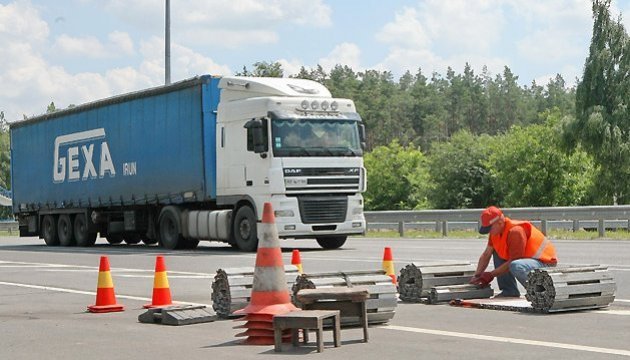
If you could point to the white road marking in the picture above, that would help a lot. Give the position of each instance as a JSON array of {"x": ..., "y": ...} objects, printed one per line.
[
  {"x": 613, "y": 312},
  {"x": 91, "y": 293},
  {"x": 510, "y": 340},
  {"x": 4, "y": 263},
  {"x": 169, "y": 276}
]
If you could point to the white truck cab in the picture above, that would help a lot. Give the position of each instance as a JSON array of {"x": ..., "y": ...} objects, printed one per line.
[{"x": 289, "y": 142}]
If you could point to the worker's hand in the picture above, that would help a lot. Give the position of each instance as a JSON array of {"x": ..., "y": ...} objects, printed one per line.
[{"x": 483, "y": 279}]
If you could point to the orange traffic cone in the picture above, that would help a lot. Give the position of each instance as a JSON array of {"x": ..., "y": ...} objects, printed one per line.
[
  {"x": 296, "y": 260},
  {"x": 388, "y": 264},
  {"x": 270, "y": 294},
  {"x": 161, "y": 291},
  {"x": 105, "y": 296}
]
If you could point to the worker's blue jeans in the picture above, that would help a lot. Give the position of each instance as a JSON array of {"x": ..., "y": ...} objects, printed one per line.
[{"x": 518, "y": 271}]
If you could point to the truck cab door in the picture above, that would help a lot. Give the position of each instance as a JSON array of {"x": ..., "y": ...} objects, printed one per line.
[{"x": 257, "y": 158}]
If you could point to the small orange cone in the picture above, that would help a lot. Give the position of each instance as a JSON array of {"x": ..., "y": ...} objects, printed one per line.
[
  {"x": 296, "y": 260},
  {"x": 388, "y": 264},
  {"x": 161, "y": 291},
  {"x": 105, "y": 296}
]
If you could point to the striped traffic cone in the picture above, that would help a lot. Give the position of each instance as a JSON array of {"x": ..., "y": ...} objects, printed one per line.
[
  {"x": 388, "y": 264},
  {"x": 270, "y": 294},
  {"x": 296, "y": 260},
  {"x": 105, "y": 296},
  {"x": 161, "y": 291}
]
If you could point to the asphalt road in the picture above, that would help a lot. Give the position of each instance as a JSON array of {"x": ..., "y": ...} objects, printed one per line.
[{"x": 44, "y": 293}]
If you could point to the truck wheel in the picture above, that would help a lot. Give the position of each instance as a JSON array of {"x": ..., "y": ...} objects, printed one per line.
[
  {"x": 132, "y": 239},
  {"x": 64, "y": 229},
  {"x": 170, "y": 236},
  {"x": 114, "y": 239},
  {"x": 331, "y": 242},
  {"x": 49, "y": 230},
  {"x": 148, "y": 241},
  {"x": 244, "y": 229},
  {"x": 190, "y": 244},
  {"x": 81, "y": 233}
]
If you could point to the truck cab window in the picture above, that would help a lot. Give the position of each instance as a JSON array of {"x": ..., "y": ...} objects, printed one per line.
[
  {"x": 315, "y": 137},
  {"x": 257, "y": 138}
]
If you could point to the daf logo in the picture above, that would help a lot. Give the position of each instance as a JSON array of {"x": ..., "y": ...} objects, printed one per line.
[
  {"x": 293, "y": 171},
  {"x": 353, "y": 170}
]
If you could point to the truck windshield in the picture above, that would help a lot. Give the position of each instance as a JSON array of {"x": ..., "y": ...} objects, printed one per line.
[{"x": 315, "y": 137}]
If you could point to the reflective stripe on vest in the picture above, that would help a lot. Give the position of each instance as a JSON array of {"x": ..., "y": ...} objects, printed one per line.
[{"x": 541, "y": 248}]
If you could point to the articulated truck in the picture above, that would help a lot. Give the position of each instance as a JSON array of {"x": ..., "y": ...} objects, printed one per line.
[{"x": 191, "y": 161}]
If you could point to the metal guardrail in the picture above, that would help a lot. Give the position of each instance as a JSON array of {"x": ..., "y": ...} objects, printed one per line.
[
  {"x": 9, "y": 226},
  {"x": 6, "y": 193},
  {"x": 5, "y": 197},
  {"x": 580, "y": 216}
]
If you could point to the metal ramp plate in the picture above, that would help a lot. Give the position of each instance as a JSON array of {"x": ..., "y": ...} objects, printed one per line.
[
  {"x": 510, "y": 304},
  {"x": 178, "y": 315}
]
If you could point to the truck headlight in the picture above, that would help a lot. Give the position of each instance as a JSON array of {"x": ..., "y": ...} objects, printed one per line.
[{"x": 284, "y": 213}]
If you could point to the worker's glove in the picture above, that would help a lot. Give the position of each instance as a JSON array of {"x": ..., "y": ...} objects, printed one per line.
[{"x": 483, "y": 279}]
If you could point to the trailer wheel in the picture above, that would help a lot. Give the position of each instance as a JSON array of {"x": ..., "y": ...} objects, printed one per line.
[
  {"x": 49, "y": 230},
  {"x": 132, "y": 239},
  {"x": 64, "y": 229},
  {"x": 114, "y": 239},
  {"x": 169, "y": 229},
  {"x": 81, "y": 233},
  {"x": 148, "y": 241},
  {"x": 244, "y": 229},
  {"x": 331, "y": 242}
]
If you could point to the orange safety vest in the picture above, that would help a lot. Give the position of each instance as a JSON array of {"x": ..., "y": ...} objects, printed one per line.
[{"x": 537, "y": 247}]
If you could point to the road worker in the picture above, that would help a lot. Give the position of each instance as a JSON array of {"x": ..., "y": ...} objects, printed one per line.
[{"x": 517, "y": 247}]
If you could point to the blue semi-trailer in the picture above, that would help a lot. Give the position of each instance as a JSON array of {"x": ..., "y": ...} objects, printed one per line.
[{"x": 193, "y": 161}]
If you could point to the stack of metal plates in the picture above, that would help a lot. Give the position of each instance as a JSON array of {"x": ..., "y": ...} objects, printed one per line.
[
  {"x": 417, "y": 279},
  {"x": 232, "y": 288},
  {"x": 570, "y": 288},
  {"x": 451, "y": 292},
  {"x": 381, "y": 305}
]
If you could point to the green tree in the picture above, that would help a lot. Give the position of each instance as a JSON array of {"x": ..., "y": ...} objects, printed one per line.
[
  {"x": 460, "y": 174},
  {"x": 397, "y": 178},
  {"x": 602, "y": 112},
  {"x": 51, "y": 108},
  {"x": 5, "y": 162},
  {"x": 263, "y": 69},
  {"x": 531, "y": 169}
]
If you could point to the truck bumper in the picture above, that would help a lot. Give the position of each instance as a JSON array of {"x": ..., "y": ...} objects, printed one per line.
[{"x": 290, "y": 225}]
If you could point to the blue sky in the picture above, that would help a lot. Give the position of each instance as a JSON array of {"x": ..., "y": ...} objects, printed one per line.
[{"x": 75, "y": 51}]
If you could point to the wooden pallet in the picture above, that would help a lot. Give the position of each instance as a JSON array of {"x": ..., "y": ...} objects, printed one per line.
[{"x": 381, "y": 305}]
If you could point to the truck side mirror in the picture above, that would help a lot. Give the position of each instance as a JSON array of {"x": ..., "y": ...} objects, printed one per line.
[
  {"x": 362, "y": 136},
  {"x": 256, "y": 136}
]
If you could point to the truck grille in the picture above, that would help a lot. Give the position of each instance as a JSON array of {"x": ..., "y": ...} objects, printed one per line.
[
  {"x": 318, "y": 180},
  {"x": 323, "y": 209}
]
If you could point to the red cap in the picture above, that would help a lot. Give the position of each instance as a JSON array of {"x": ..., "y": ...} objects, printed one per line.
[{"x": 489, "y": 216}]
